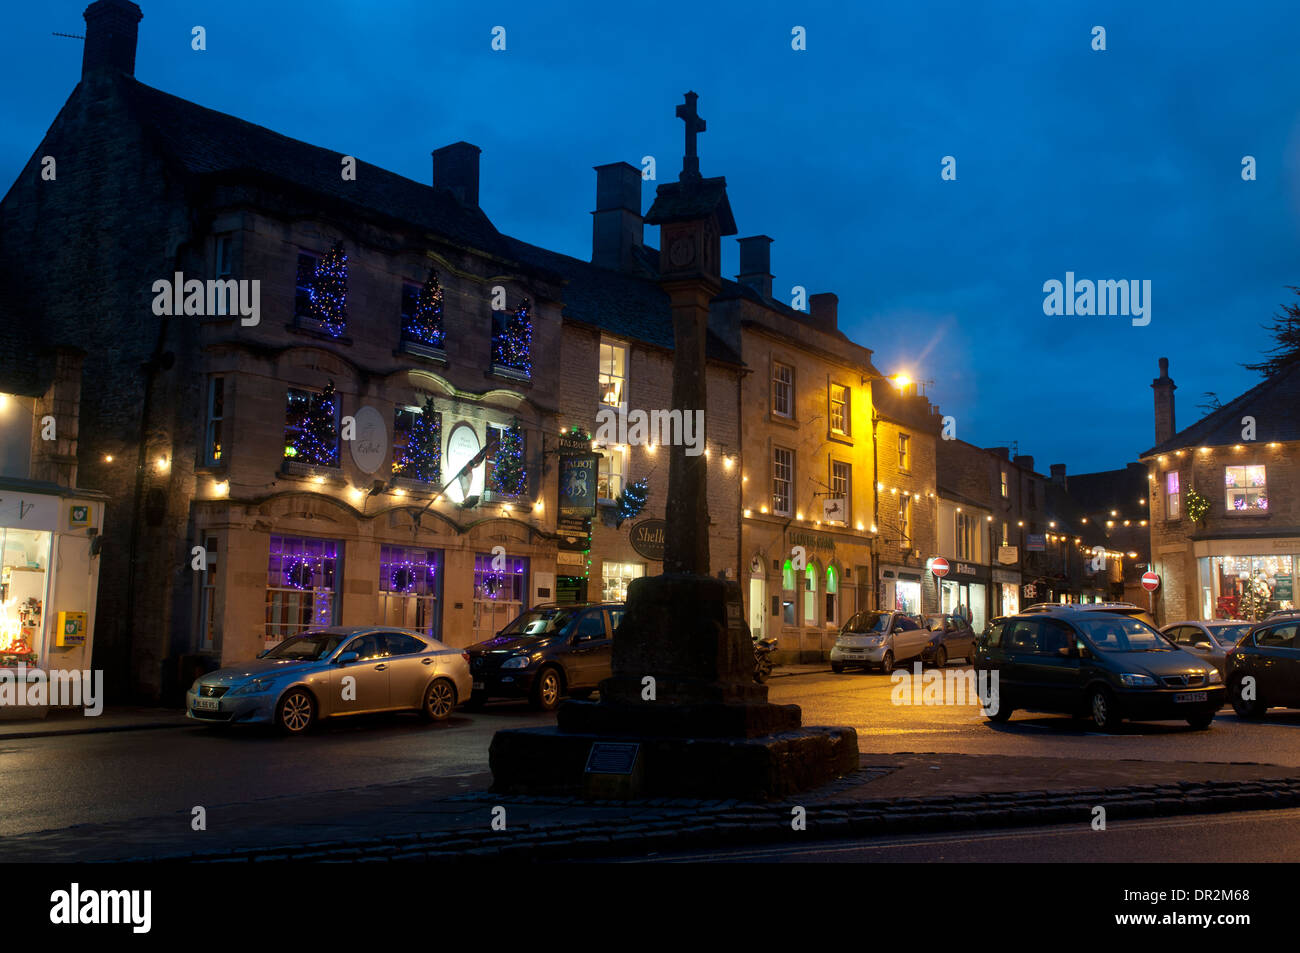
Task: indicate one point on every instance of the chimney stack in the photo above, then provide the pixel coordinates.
(455, 168)
(756, 264)
(112, 27)
(617, 228)
(825, 309)
(1164, 388)
(1024, 460)
(1058, 475)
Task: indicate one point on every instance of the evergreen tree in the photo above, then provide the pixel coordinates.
(508, 471)
(1255, 597)
(316, 439)
(329, 291)
(1285, 330)
(513, 346)
(423, 457)
(425, 324)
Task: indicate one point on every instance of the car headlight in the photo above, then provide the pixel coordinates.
(254, 687)
(1213, 677)
(518, 661)
(1137, 681)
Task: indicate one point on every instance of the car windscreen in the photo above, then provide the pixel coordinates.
(1116, 633)
(309, 647)
(536, 622)
(1229, 635)
(868, 622)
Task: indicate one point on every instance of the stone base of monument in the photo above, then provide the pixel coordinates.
(700, 725)
(551, 761)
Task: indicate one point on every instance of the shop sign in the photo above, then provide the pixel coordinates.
(834, 509)
(578, 487)
(1036, 543)
(964, 569)
(647, 538)
(812, 541)
(569, 559)
(1008, 554)
(28, 511)
(462, 448)
(1282, 589)
(369, 443)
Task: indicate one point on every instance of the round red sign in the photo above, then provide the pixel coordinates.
(1150, 581)
(939, 566)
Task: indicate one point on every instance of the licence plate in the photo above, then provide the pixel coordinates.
(1191, 697)
(479, 686)
(208, 704)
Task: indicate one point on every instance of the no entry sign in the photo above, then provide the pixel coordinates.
(1150, 581)
(939, 566)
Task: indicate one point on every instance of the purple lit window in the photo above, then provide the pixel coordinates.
(301, 585)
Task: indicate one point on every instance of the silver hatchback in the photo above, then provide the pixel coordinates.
(338, 671)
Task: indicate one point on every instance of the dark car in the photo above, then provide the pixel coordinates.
(1264, 668)
(546, 652)
(1211, 641)
(1101, 666)
(950, 637)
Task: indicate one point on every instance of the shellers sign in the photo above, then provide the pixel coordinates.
(214, 298)
(647, 538)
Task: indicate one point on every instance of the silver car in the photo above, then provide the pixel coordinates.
(1209, 641)
(326, 673)
(878, 640)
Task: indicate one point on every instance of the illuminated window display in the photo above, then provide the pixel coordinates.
(410, 581)
(1241, 587)
(616, 577)
(24, 575)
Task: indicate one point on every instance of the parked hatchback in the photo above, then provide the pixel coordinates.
(1210, 641)
(951, 636)
(1101, 666)
(545, 653)
(878, 640)
(1264, 668)
(327, 673)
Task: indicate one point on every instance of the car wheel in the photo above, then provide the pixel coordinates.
(1246, 707)
(1101, 709)
(940, 657)
(439, 700)
(837, 667)
(546, 690)
(1003, 713)
(1202, 721)
(887, 663)
(295, 712)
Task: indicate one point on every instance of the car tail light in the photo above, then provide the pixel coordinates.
(465, 656)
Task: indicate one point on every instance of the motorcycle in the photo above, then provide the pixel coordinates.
(763, 664)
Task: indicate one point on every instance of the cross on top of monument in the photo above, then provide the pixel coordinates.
(694, 125)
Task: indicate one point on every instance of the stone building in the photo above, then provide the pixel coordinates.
(1224, 511)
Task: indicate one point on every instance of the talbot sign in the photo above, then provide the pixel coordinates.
(647, 538)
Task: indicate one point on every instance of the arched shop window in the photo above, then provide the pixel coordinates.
(810, 595)
(832, 596)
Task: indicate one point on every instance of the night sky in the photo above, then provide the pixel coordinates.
(1117, 164)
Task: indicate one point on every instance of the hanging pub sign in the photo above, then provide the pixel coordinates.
(647, 538)
(578, 487)
(1036, 543)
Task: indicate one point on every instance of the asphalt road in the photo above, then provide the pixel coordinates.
(1254, 836)
(55, 782)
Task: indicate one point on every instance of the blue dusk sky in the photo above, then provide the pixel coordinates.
(1122, 164)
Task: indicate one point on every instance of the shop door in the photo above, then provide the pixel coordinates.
(757, 606)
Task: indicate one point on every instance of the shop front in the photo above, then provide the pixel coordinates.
(1246, 579)
(1006, 589)
(49, 579)
(900, 588)
(964, 592)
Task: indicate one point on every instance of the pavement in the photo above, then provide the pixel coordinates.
(439, 818)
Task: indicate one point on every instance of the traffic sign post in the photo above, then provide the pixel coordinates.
(1151, 582)
(939, 566)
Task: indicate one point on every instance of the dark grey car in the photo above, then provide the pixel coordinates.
(1209, 641)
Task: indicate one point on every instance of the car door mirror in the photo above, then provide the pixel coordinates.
(346, 657)
(1204, 646)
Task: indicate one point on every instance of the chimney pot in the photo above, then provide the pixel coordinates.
(825, 308)
(112, 27)
(756, 264)
(617, 228)
(455, 168)
(1164, 403)
(1024, 460)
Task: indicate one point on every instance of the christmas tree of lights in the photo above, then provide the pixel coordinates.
(329, 291)
(423, 457)
(1255, 597)
(631, 501)
(508, 471)
(425, 325)
(513, 346)
(316, 438)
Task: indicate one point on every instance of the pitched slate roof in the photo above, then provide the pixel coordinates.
(206, 142)
(1272, 403)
